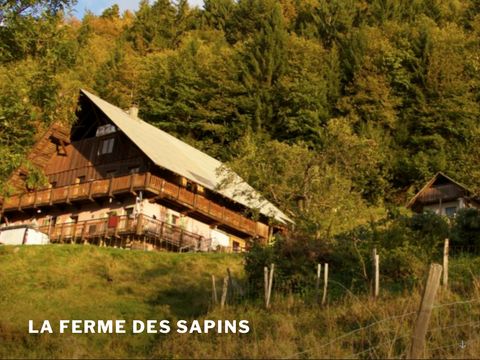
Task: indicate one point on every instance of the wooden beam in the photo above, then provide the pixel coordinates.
(155, 199)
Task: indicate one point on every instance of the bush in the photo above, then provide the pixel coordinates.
(466, 230)
(406, 246)
(295, 262)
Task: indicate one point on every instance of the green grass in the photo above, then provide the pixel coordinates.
(87, 282)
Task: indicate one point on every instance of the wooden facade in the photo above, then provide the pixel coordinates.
(97, 165)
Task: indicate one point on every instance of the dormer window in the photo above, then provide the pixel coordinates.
(106, 146)
(105, 130)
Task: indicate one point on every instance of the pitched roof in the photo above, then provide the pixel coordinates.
(173, 154)
(437, 176)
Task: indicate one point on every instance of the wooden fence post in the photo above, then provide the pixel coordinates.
(376, 288)
(421, 324)
(230, 284)
(224, 292)
(372, 281)
(265, 281)
(317, 283)
(270, 281)
(445, 263)
(214, 291)
(325, 284)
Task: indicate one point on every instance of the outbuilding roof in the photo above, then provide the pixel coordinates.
(177, 156)
(439, 177)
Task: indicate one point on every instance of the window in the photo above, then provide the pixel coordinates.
(451, 211)
(106, 146)
(52, 184)
(105, 129)
(175, 219)
(129, 212)
(189, 186)
(236, 246)
(133, 170)
(80, 179)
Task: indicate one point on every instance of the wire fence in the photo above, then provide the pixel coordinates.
(453, 330)
(386, 348)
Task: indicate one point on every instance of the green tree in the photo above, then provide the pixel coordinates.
(263, 62)
(113, 12)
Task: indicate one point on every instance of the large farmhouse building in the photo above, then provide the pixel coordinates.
(117, 180)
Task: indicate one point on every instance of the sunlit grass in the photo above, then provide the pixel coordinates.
(87, 282)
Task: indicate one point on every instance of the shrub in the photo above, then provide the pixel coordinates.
(406, 245)
(466, 230)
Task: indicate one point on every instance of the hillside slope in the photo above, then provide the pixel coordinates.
(86, 282)
(78, 282)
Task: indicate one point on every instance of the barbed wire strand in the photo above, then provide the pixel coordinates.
(391, 318)
(354, 332)
(456, 302)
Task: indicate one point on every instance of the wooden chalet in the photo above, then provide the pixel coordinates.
(117, 180)
(443, 196)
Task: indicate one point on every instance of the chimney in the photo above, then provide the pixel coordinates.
(133, 112)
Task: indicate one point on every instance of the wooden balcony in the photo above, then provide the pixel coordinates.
(120, 227)
(160, 188)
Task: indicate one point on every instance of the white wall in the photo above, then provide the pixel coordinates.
(441, 209)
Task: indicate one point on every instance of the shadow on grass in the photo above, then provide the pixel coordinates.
(185, 297)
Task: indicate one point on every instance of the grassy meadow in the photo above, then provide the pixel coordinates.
(87, 282)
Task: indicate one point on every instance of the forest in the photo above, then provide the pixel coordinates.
(337, 111)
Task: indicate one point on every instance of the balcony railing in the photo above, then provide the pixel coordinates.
(131, 183)
(123, 226)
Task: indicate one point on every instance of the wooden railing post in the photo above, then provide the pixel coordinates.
(148, 177)
(139, 229)
(35, 199)
(20, 202)
(83, 233)
(61, 233)
(90, 189)
(74, 231)
(131, 182)
(162, 225)
(110, 187)
(69, 188)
